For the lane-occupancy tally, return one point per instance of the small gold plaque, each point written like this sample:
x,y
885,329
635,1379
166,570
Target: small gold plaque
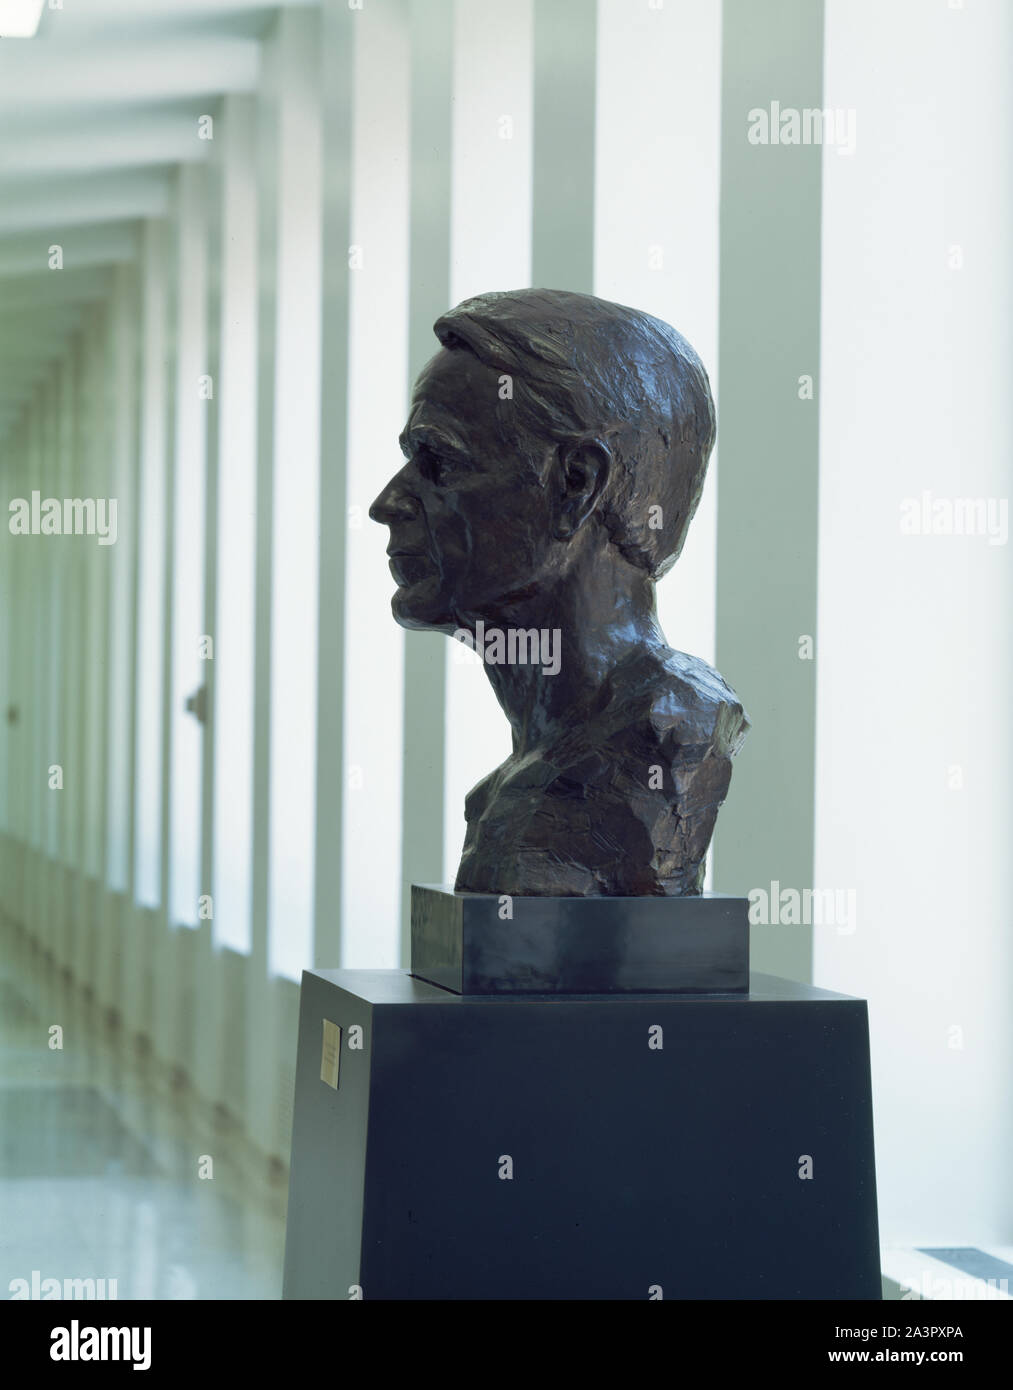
x,y
330,1054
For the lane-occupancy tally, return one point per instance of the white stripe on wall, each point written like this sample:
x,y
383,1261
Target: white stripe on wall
x,y
151,566
189,491
378,367
490,250
235,632
657,173
914,812
119,560
295,504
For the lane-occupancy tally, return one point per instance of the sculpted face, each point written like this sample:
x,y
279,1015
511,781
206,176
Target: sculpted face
x,y
470,521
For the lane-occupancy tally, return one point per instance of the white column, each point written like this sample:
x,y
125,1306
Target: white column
x,y
41,556
95,472
152,554
657,175
235,630
186,737
490,250
119,559
7,654
74,604
295,507
378,368
60,619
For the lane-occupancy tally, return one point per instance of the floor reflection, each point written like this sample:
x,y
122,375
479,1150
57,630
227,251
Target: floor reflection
x,y
100,1161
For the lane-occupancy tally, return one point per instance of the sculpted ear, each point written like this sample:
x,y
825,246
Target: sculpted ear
x,y
582,470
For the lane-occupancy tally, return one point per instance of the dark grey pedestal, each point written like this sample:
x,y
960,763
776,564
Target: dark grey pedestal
x,y
466,942
634,1169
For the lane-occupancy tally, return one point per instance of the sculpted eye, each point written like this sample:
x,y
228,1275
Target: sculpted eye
x,y
431,466
436,467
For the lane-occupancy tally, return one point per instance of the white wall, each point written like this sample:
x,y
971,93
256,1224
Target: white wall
x,y
657,184
490,250
377,401
913,788
914,670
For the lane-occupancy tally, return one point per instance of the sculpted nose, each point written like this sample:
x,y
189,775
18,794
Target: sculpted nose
x,y
395,502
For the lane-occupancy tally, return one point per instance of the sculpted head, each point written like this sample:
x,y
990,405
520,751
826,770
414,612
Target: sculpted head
x,y
553,431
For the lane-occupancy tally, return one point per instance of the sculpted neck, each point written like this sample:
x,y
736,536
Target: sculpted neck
x,y
586,624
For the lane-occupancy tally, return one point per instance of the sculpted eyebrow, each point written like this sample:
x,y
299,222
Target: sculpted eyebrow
x,y
427,438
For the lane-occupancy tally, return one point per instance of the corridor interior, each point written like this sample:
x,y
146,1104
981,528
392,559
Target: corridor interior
x,y
111,1166
227,228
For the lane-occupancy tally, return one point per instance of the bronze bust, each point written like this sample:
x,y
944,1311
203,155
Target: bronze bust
x,y
556,449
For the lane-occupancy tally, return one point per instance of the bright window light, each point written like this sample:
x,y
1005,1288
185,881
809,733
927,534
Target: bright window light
x,y
19,19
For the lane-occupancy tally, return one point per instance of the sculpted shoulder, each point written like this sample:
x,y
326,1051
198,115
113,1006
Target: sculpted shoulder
x,y
679,702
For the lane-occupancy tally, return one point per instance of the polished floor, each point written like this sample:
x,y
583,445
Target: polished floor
x,y
99,1161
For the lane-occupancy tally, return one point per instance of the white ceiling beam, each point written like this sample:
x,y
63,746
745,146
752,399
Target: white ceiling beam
x,y
106,140
84,198
45,287
101,17
54,75
97,244
101,13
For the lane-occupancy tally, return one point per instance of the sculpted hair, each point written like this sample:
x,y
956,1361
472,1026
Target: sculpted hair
x,y
584,367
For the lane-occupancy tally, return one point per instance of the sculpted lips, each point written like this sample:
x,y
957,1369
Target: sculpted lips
x,y
409,566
